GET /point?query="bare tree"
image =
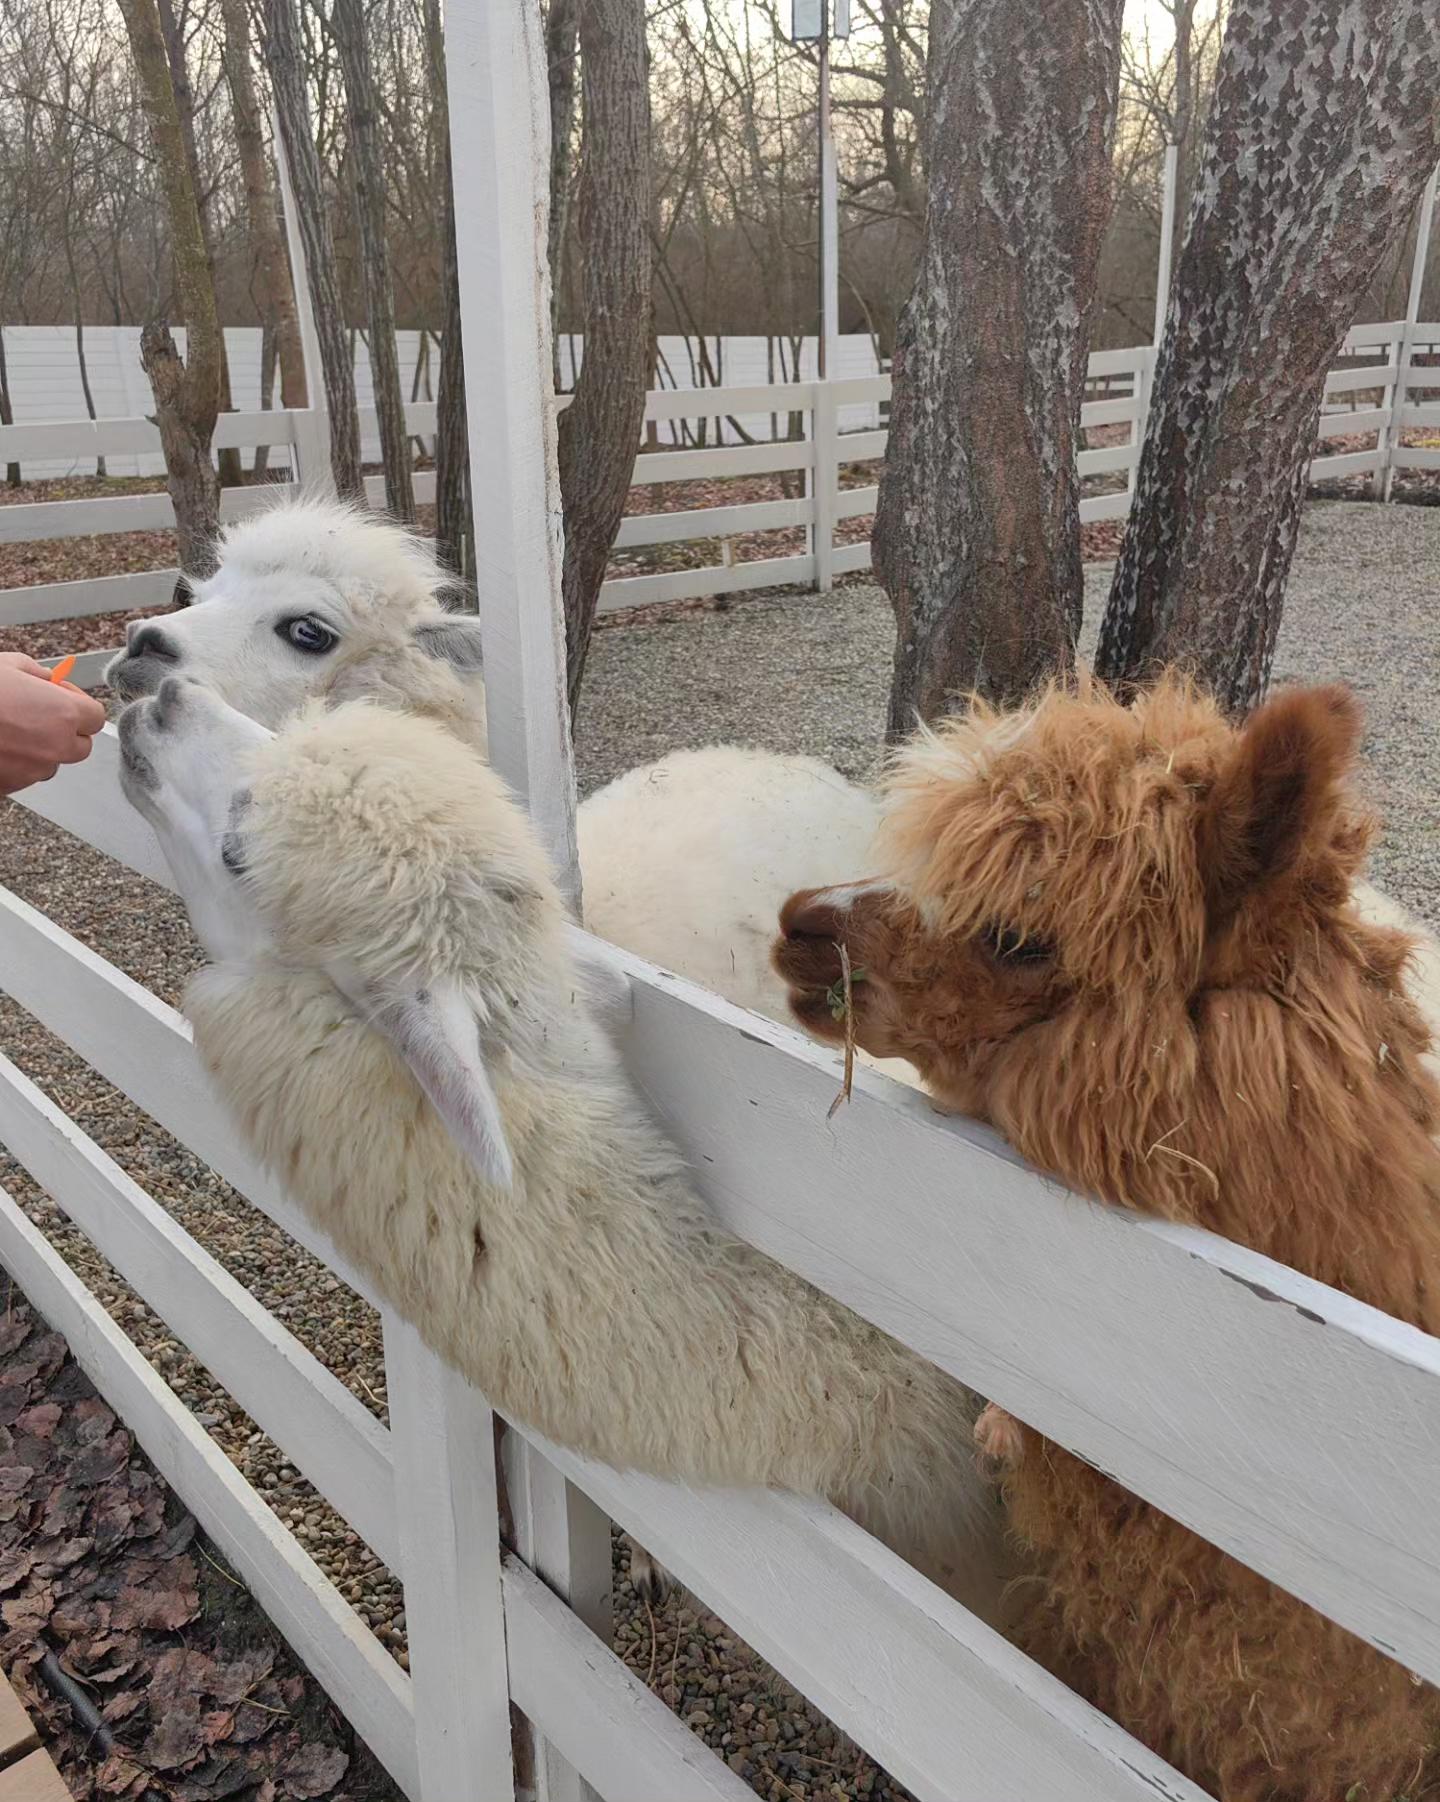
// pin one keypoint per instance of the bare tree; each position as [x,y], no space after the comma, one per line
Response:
[1323,131]
[454,529]
[187,393]
[562,18]
[600,430]
[347,22]
[274,290]
[287,66]
[977,530]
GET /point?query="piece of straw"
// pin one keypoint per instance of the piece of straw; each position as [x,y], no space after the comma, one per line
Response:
[847,993]
[62,669]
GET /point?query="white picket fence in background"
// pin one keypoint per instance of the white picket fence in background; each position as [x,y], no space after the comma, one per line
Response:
[1234,1394]
[1372,392]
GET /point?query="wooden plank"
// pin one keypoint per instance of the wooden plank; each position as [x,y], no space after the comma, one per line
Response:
[121,513]
[851,557]
[1362,419]
[854,503]
[1130,361]
[499,135]
[446,1499]
[710,522]
[315,1420]
[145,1049]
[84,439]
[951,1709]
[1413,456]
[1109,412]
[1101,462]
[496,117]
[17,1730]
[729,460]
[1105,506]
[851,391]
[1128,1341]
[361,1678]
[1374,375]
[596,1711]
[715,578]
[718,403]
[33,1779]
[861,447]
[89,668]
[1348,464]
[149,588]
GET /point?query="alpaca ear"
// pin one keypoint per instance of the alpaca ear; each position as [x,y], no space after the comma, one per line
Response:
[1281,786]
[436,1033]
[455,640]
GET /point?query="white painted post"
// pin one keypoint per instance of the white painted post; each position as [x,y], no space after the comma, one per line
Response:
[311,460]
[499,98]
[825,476]
[446,1506]
[499,135]
[1399,393]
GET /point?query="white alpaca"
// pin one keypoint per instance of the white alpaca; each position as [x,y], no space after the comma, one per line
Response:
[685,861]
[392,1016]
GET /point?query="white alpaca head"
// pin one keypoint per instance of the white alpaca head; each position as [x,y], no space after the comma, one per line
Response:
[378,849]
[312,598]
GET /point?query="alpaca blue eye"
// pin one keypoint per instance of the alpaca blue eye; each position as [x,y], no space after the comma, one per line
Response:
[308,634]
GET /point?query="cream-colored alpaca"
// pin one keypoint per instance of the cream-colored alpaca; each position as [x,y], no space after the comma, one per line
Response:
[396,1019]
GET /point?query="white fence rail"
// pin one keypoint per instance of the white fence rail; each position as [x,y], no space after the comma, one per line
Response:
[1130,1341]
[1369,394]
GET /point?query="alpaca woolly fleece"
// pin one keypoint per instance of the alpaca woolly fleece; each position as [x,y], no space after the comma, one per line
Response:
[586,1290]
[1126,937]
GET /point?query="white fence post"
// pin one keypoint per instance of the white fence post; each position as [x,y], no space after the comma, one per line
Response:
[824,481]
[310,460]
[499,132]
[447,1511]
[1398,395]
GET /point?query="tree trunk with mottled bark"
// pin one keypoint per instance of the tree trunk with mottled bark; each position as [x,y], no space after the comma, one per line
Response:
[1322,133]
[600,430]
[562,19]
[187,394]
[232,468]
[274,289]
[347,21]
[454,529]
[977,538]
[284,59]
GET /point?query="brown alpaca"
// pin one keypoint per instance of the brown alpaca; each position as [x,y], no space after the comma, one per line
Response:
[1124,936]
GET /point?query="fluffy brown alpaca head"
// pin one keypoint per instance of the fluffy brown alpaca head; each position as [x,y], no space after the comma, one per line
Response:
[1123,934]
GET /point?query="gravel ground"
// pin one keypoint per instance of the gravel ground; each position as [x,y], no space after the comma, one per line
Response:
[811,673]
[796,673]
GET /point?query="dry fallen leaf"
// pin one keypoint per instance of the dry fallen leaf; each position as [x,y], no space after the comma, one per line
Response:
[312,1771]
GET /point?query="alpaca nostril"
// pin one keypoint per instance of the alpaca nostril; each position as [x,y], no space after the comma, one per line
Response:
[149,640]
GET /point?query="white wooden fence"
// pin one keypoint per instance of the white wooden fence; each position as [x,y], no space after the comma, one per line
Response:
[1373,392]
[1236,1395]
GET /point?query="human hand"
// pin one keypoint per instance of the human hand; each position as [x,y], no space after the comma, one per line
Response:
[42,723]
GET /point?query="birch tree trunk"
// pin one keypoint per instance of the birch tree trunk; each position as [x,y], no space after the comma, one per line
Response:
[1323,131]
[454,530]
[600,430]
[187,394]
[274,289]
[977,538]
[347,21]
[285,61]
